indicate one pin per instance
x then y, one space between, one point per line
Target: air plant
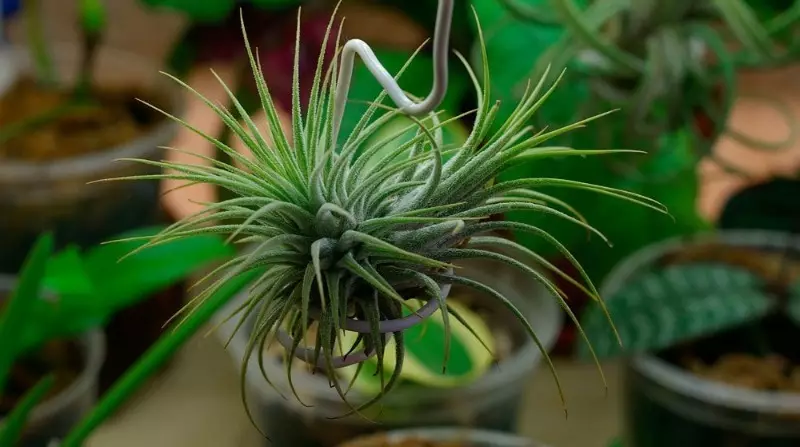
636 56
344 241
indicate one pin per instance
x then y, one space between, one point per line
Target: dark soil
131 332
761 357
62 358
112 118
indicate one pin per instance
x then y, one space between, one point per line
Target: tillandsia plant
637 56
345 243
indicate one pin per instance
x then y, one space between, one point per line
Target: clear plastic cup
493 402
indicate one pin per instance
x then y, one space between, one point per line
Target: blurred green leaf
93 16
16 312
677 304
125 281
67 275
14 423
213 10
85 290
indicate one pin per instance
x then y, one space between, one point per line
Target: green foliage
677 304
214 10
19 308
668 176
513 46
83 290
13 425
92 16
339 239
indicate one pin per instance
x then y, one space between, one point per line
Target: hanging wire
353 47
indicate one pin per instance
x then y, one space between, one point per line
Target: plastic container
667 406
8 66
471 438
54 195
54 417
492 403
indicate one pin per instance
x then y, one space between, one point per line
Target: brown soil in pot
765 373
62 358
114 117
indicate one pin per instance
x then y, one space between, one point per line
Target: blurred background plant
670 69
59 297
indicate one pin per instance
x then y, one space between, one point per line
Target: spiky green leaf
674 305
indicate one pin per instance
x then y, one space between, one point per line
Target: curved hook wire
441 45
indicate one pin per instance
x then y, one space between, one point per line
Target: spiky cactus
343 240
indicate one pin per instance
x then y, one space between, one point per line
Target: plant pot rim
93 346
483 437
678 379
546 319
8 71
86 164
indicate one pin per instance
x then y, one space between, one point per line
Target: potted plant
345 246
62 123
675 111
490 359
145 282
50 323
70 361
708 322
441 437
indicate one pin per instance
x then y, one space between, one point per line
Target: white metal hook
441 45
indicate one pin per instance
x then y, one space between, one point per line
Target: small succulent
695 291
343 240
